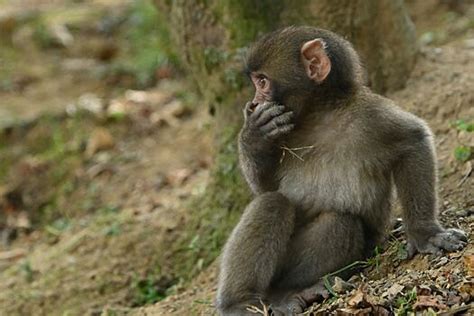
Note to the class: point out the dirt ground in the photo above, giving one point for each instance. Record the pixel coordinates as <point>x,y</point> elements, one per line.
<point>113,184</point>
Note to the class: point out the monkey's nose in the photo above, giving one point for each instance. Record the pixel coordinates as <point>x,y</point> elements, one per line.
<point>252,106</point>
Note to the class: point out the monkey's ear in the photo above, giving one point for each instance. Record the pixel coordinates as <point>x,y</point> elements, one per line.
<point>315,60</point>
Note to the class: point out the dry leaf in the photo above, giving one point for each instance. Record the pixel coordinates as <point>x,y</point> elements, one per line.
<point>393,291</point>
<point>357,299</point>
<point>100,139</point>
<point>469,265</point>
<point>424,301</point>
<point>178,176</point>
<point>341,286</point>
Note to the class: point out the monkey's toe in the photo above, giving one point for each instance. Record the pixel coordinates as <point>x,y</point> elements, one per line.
<point>448,240</point>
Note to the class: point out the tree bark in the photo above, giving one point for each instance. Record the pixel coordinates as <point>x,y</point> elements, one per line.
<point>211,37</point>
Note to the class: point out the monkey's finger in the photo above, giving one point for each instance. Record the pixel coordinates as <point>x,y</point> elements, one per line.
<point>283,119</point>
<point>452,246</point>
<point>262,108</point>
<point>280,131</point>
<point>448,240</point>
<point>269,114</point>
<point>248,109</point>
<point>459,234</point>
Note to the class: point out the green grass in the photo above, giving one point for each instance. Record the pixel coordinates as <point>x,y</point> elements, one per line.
<point>463,152</point>
<point>405,303</point>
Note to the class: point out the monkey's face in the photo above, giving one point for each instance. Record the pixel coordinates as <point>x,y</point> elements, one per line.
<point>263,89</point>
<point>288,73</point>
<point>302,67</point>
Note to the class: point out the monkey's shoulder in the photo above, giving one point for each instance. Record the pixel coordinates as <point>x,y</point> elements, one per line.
<point>384,123</point>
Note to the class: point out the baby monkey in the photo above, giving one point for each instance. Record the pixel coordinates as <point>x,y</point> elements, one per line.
<point>321,153</point>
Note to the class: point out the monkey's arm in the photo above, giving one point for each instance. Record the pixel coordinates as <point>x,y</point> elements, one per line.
<point>259,153</point>
<point>416,181</point>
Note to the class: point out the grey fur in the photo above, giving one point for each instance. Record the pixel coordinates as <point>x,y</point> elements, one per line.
<point>318,212</point>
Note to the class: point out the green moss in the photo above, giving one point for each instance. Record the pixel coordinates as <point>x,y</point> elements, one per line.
<point>214,57</point>
<point>249,18</point>
<point>148,43</point>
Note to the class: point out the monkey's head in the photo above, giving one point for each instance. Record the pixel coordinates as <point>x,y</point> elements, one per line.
<point>296,66</point>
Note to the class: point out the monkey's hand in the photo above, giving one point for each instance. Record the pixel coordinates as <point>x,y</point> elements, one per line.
<point>267,122</point>
<point>448,239</point>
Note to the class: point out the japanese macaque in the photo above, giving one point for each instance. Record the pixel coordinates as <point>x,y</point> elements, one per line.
<point>321,153</point>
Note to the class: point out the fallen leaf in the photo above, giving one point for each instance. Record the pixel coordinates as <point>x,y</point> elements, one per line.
<point>100,139</point>
<point>354,311</point>
<point>179,176</point>
<point>12,254</point>
<point>393,291</point>
<point>357,299</point>
<point>469,265</point>
<point>425,301</point>
<point>467,290</point>
<point>341,286</point>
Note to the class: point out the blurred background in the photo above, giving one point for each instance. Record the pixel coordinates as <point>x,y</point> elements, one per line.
<point>118,174</point>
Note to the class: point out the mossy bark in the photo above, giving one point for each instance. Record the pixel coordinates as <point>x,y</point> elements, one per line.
<point>211,37</point>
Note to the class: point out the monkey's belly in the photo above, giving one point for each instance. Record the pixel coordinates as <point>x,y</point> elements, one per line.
<point>335,189</point>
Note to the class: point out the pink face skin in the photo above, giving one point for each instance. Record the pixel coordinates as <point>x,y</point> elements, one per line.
<point>262,89</point>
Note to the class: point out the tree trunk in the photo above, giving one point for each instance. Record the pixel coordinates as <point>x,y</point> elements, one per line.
<point>211,36</point>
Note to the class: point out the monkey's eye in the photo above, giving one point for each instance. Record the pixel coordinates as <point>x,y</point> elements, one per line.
<point>262,83</point>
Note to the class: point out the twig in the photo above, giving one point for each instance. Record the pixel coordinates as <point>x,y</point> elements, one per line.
<point>328,285</point>
<point>292,151</point>
<point>466,175</point>
<point>12,254</point>
<point>255,310</point>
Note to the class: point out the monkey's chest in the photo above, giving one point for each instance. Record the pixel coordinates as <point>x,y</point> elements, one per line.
<point>332,183</point>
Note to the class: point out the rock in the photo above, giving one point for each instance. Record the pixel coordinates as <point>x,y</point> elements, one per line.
<point>117,109</point>
<point>90,102</point>
<point>153,97</point>
<point>176,108</point>
<point>100,139</point>
<point>60,35</point>
<point>79,64</point>
<point>136,96</point>
<point>469,43</point>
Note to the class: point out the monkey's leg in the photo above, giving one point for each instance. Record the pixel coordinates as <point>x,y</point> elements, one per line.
<point>254,249</point>
<point>330,243</point>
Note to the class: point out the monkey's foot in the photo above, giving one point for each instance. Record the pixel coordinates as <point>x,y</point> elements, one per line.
<point>449,239</point>
<point>297,303</point>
